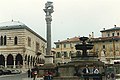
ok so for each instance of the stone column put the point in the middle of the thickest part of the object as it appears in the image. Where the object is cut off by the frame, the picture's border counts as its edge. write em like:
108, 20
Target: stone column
14, 61
5, 62
23, 66
48, 10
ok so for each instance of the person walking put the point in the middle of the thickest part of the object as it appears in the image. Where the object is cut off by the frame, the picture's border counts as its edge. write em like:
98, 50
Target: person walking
29, 73
86, 71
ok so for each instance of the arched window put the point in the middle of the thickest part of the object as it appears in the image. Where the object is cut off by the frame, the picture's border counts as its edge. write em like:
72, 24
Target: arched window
15, 40
5, 40
1, 40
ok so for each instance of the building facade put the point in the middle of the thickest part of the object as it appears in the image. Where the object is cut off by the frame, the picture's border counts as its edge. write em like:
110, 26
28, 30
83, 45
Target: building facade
20, 46
108, 45
65, 49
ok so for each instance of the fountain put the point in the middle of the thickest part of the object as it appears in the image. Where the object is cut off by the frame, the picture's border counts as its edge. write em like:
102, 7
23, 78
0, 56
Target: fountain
73, 69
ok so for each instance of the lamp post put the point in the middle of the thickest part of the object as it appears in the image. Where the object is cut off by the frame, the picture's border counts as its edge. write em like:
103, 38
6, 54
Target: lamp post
48, 10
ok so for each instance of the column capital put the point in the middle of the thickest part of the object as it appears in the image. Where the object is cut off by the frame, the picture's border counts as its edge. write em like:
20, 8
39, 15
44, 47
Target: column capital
48, 19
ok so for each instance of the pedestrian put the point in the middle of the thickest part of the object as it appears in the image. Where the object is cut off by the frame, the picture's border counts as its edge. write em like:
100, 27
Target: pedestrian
95, 71
29, 73
50, 75
113, 76
86, 71
46, 75
34, 75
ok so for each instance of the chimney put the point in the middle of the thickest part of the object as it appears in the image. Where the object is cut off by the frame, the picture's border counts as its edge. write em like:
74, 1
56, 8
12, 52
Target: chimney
115, 26
103, 28
89, 36
92, 35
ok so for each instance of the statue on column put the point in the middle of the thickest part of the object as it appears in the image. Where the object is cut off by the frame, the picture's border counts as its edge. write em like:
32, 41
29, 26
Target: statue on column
48, 10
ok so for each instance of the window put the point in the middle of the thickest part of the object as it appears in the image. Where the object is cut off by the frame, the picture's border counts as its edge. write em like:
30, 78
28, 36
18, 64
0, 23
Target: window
64, 45
113, 34
5, 40
103, 46
65, 54
118, 34
1, 40
15, 40
108, 35
117, 48
37, 46
71, 45
57, 46
29, 41
58, 55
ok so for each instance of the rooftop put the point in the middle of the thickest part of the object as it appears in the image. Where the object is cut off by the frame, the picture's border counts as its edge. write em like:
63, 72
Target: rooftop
74, 39
11, 25
111, 29
100, 39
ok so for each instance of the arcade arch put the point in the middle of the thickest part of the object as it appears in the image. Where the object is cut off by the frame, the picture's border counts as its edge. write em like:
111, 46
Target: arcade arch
2, 60
10, 61
19, 60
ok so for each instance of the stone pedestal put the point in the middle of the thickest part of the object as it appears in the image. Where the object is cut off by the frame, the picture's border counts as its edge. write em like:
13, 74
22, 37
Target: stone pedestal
48, 59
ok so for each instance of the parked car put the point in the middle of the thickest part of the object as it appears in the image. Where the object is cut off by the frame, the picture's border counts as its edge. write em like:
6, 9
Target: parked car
1, 72
15, 71
5, 72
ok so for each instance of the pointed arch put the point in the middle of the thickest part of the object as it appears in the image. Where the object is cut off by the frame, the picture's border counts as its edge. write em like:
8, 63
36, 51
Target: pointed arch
31, 59
10, 59
42, 61
38, 60
2, 60
19, 59
25, 57
28, 59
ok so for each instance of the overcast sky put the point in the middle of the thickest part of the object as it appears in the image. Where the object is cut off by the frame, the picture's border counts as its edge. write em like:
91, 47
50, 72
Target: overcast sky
70, 18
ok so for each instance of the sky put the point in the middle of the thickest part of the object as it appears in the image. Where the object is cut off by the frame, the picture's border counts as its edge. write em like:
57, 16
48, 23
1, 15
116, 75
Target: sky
70, 17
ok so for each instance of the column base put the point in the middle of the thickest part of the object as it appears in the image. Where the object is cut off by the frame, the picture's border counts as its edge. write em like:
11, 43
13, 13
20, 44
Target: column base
48, 59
